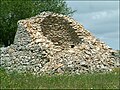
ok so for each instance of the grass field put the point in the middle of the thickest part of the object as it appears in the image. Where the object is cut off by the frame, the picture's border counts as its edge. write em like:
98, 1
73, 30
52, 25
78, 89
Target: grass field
83, 81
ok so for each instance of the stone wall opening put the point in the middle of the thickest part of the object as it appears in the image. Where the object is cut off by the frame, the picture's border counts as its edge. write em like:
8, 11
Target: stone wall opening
72, 46
59, 31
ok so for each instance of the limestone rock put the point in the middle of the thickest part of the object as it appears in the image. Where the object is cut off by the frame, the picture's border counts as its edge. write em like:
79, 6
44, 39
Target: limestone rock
54, 43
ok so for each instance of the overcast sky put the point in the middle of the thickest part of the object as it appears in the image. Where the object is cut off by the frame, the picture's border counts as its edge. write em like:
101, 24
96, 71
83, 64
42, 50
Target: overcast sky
99, 17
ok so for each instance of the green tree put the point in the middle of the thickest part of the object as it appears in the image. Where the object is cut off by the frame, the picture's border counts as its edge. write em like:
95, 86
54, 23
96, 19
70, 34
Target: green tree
14, 10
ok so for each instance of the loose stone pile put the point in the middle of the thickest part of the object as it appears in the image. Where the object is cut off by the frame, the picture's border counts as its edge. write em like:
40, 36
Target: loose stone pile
52, 43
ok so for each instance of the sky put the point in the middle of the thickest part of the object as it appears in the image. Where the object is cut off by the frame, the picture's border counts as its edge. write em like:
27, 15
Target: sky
101, 18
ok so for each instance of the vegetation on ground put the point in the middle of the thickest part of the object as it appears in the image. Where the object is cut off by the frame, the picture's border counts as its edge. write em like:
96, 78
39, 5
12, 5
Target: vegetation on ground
84, 81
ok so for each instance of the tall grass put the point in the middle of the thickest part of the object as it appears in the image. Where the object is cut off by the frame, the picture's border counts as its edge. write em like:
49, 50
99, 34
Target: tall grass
84, 81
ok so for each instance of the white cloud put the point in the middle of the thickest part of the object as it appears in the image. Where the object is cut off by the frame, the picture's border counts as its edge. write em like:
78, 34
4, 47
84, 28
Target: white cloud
106, 16
100, 15
93, 6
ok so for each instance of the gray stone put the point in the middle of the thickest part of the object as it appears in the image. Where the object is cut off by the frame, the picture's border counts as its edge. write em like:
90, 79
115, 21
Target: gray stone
51, 43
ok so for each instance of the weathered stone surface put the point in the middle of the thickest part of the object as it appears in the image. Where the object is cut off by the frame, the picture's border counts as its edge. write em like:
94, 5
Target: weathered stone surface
50, 43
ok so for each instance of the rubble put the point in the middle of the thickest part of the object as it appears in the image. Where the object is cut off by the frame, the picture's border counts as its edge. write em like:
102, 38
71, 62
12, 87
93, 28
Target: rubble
52, 43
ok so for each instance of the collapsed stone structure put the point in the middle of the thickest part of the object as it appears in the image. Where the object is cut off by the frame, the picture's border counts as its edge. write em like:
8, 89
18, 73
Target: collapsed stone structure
53, 43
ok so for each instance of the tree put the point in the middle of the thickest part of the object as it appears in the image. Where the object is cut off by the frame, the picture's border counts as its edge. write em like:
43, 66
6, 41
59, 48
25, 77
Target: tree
14, 10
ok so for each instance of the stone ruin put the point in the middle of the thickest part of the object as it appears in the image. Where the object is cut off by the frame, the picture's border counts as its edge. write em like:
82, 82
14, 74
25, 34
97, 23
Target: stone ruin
52, 43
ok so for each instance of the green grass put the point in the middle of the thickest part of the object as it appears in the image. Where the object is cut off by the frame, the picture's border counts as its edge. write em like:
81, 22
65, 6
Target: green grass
83, 81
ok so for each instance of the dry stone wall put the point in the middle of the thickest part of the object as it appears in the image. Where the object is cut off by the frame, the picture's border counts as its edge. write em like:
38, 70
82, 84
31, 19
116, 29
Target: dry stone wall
52, 43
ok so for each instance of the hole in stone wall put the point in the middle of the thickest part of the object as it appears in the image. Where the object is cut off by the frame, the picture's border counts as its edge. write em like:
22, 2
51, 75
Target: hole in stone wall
31, 50
72, 46
113, 53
